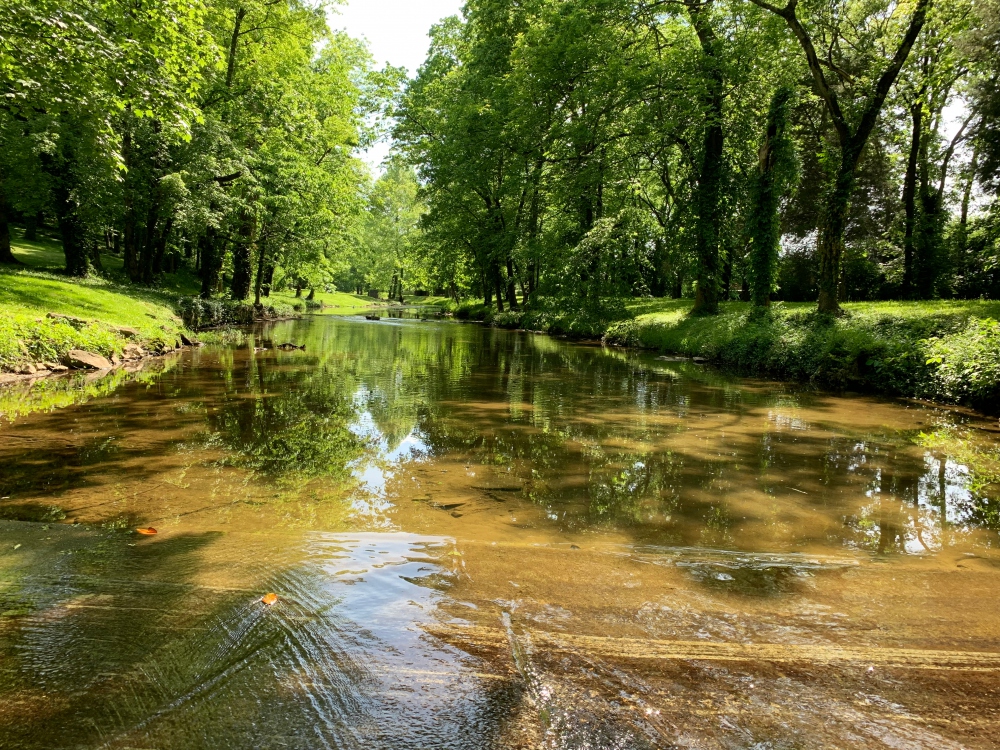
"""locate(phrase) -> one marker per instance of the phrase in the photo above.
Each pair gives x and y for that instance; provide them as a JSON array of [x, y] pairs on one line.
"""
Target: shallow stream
[[490, 539]]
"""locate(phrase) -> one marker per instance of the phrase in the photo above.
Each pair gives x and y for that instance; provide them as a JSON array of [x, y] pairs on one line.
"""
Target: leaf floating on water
[[147, 531], [17, 546], [269, 599]]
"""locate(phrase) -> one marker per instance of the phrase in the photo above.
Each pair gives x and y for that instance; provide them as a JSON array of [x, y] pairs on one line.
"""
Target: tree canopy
[[717, 149]]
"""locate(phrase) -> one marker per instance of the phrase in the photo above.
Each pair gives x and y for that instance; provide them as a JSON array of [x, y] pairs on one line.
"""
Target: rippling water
[[489, 539]]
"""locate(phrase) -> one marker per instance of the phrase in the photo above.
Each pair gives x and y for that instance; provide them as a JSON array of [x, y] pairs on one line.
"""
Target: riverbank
[[945, 351], [47, 318]]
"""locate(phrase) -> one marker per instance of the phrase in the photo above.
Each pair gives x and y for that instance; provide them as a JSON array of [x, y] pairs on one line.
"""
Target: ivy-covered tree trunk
[[775, 170], [909, 197], [708, 193], [831, 235]]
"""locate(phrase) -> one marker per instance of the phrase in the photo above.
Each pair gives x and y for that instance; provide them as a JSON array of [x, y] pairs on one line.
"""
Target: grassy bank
[[324, 302], [947, 351], [101, 318]]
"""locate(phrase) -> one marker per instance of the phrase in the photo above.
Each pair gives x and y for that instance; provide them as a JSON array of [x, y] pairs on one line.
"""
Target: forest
[[714, 149], [717, 150], [218, 136]]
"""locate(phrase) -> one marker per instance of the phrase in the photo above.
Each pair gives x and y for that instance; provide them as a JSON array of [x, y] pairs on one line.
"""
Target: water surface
[[489, 539]]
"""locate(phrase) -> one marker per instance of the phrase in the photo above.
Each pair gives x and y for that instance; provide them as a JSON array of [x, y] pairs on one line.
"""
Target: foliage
[[200, 313], [597, 149], [946, 352], [219, 135]]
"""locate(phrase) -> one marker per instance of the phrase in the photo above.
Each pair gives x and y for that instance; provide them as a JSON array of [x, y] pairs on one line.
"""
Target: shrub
[[199, 313], [968, 364]]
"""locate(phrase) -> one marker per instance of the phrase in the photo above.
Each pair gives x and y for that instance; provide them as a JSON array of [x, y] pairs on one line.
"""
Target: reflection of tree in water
[[286, 421], [595, 437]]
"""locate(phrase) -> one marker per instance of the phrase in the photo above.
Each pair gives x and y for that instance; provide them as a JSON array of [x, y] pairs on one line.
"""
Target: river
[[489, 539]]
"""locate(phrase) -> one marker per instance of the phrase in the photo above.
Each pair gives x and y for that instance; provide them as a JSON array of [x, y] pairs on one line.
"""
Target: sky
[[396, 31]]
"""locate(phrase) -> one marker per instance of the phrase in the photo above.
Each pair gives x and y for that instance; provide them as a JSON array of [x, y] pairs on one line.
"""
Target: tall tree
[[853, 121]]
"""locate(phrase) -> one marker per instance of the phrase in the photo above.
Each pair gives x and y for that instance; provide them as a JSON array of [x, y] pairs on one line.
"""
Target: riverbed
[[490, 539]]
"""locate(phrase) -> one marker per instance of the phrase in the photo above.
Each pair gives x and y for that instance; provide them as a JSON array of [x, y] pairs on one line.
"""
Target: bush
[[968, 364], [199, 313]]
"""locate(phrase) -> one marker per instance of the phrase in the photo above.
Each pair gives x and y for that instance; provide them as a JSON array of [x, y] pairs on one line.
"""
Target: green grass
[[945, 350], [28, 293], [333, 302], [428, 301]]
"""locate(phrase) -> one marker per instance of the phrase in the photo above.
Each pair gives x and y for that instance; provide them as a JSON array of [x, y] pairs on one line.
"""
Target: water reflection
[[483, 538], [668, 452]]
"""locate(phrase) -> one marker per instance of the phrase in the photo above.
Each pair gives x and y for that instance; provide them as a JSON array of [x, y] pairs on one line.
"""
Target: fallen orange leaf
[[147, 532], [269, 599]]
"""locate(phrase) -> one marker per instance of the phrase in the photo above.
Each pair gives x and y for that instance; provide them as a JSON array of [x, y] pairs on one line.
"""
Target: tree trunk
[[242, 271], [95, 255], [6, 254], [212, 257], [831, 237], [70, 228], [511, 291], [148, 252], [764, 222], [31, 226], [234, 41], [259, 281], [708, 193], [162, 237], [498, 287], [265, 289], [909, 198], [130, 235], [243, 257]]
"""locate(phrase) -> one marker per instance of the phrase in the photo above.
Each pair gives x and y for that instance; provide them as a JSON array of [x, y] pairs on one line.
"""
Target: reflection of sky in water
[[941, 505], [785, 421], [378, 466]]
